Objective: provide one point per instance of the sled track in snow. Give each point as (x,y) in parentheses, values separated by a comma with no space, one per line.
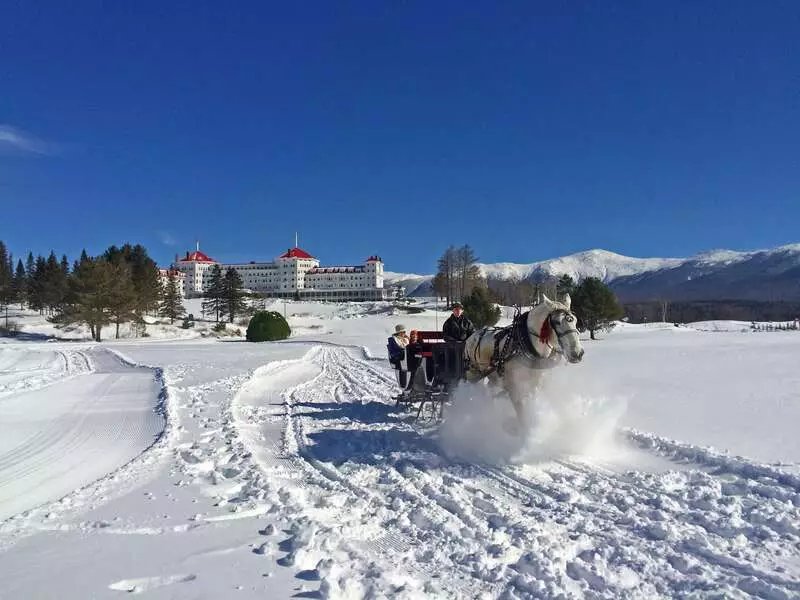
(64,365)
(565,527)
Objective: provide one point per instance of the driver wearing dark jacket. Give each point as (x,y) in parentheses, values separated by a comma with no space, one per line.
(457,327)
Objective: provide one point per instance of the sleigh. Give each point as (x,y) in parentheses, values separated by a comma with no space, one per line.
(428,373)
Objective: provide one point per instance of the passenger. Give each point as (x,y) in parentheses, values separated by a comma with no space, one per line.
(457,327)
(397,352)
(397,345)
(413,350)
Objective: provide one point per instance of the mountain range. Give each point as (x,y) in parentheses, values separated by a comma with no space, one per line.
(769,275)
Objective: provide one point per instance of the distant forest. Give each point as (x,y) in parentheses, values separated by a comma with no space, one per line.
(709,310)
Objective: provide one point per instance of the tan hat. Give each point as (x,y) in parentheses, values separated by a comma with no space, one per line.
(399,328)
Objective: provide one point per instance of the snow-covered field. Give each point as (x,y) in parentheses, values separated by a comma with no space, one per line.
(665,465)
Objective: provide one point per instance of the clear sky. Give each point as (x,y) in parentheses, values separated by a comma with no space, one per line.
(526,129)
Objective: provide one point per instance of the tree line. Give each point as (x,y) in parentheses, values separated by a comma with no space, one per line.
(710,310)
(459,278)
(119,286)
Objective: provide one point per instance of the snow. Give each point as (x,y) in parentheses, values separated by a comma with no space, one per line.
(54,443)
(606,266)
(664,465)
(602,264)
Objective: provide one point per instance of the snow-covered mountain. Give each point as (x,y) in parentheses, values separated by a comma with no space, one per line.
(772,274)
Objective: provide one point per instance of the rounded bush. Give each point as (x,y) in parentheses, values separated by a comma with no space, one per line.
(267,326)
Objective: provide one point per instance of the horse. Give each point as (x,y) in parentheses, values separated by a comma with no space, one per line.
(514,358)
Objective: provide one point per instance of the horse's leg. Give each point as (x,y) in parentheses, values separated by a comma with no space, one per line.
(518,402)
(518,385)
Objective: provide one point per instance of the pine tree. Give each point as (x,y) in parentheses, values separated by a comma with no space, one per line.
(233,302)
(36,278)
(214,293)
(595,305)
(6,280)
(564,286)
(55,284)
(445,280)
(172,302)
(146,280)
(21,284)
(122,305)
(480,309)
(146,287)
(95,290)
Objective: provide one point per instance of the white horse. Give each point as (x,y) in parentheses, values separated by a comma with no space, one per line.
(516,356)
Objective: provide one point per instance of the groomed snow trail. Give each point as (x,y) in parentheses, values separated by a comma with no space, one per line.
(82,415)
(25,369)
(379,509)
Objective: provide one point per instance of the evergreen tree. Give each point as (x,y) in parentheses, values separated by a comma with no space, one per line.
(30,271)
(172,302)
(95,286)
(6,280)
(21,284)
(233,302)
(214,293)
(30,266)
(146,287)
(480,309)
(36,278)
(595,305)
(146,280)
(64,265)
(55,285)
(564,286)
(122,304)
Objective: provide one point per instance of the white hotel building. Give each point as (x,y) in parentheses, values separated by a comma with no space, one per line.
(295,273)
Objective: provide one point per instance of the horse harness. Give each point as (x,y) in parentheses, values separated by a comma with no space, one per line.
(518,343)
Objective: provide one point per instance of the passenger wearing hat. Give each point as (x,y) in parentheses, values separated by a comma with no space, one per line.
(457,327)
(397,344)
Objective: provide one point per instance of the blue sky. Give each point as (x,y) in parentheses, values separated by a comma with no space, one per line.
(526,129)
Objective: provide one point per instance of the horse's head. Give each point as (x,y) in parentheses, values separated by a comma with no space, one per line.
(560,323)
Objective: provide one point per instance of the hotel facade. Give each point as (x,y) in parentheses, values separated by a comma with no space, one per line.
(293,274)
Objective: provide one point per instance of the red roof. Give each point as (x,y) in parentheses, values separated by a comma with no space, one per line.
(197,256)
(295,253)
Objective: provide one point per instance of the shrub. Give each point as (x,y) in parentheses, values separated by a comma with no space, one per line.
(219,327)
(267,326)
